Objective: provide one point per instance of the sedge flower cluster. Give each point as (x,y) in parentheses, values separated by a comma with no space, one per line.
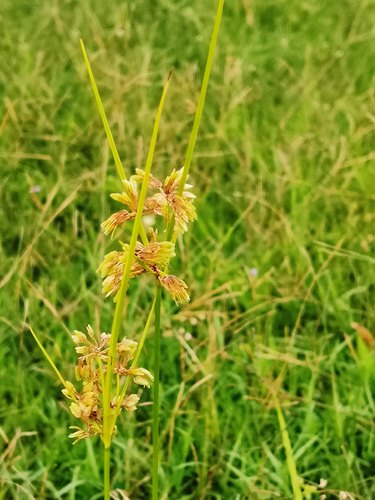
(86,403)
(153,257)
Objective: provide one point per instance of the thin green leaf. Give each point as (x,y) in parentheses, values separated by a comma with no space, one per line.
(112,145)
(48,358)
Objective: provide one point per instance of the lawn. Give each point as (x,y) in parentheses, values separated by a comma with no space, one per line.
(275,344)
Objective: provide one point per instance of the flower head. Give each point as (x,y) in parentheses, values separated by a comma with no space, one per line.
(155,253)
(90,345)
(85,406)
(110,225)
(129,196)
(126,350)
(153,182)
(184,211)
(181,205)
(130,402)
(167,199)
(86,403)
(112,270)
(140,376)
(81,433)
(176,287)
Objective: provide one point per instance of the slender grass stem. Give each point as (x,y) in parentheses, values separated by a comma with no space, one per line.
(48,358)
(143,235)
(292,468)
(99,103)
(112,144)
(106,475)
(199,111)
(134,363)
(202,97)
(156,404)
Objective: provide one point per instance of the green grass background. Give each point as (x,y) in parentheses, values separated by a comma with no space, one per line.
(284,174)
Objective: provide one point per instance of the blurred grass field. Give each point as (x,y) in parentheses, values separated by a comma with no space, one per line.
(280,261)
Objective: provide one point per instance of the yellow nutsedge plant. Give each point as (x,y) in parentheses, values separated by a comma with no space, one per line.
(107,365)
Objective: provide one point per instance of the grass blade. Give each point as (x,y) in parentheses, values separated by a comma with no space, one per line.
(48,358)
(112,145)
(292,468)
(202,96)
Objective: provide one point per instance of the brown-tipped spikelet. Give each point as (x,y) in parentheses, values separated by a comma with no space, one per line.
(153,182)
(130,402)
(182,206)
(129,196)
(176,287)
(112,269)
(141,376)
(165,202)
(155,253)
(152,257)
(110,225)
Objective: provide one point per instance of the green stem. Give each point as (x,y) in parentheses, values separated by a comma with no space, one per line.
(134,364)
(202,96)
(155,408)
(199,111)
(112,145)
(291,463)
(143,235)
(48,358)
(107,484)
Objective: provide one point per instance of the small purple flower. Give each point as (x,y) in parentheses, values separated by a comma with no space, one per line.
(254,272)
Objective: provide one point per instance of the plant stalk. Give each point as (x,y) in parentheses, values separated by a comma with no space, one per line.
(111,141)
(134,363)
(198,114)
(155,408)
(48,358)
(99,103)
(291,463)
(107,485)
(202,96)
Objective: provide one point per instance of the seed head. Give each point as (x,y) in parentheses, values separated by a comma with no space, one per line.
(69,391)
(112,269)
(81,433)
(155,253)
(86,372)
(153,182)
(111,262)
(176,287)
(129,196)
(110,225)
(130,402)
(154,205)
(126,349)
(85,406)
(90,345)
(172,181)
(184,211)
(181,206)
(140,376)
